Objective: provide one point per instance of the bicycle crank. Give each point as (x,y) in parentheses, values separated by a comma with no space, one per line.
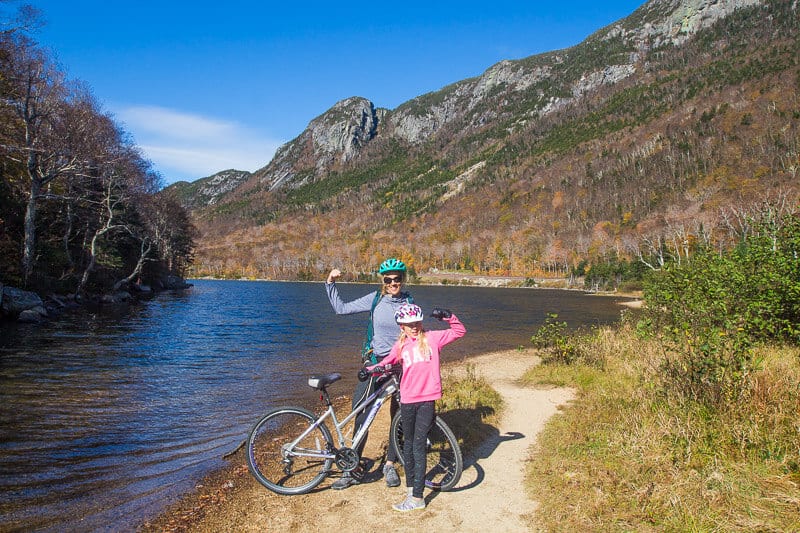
(346,459)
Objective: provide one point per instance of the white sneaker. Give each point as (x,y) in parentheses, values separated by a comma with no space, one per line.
(409,504)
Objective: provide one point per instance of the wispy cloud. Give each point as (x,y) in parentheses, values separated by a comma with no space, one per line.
(183,146)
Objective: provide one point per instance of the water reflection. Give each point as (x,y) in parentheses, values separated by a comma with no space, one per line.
(103,411)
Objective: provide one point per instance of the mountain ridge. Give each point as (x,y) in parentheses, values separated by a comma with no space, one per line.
(505,130)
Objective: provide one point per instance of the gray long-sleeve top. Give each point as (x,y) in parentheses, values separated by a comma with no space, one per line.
(385,329)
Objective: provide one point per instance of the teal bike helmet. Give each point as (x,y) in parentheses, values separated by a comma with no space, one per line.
(392,265)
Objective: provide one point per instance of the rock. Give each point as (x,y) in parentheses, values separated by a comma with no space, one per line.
(172,283)
(335,137)
(15,301)
(58,301)
(29,316)
(143,289)
(122,296)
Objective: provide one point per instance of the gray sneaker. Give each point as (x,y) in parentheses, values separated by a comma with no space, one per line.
(345,481)
(409,504)
(390,474)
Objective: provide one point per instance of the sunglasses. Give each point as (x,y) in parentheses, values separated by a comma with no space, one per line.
(387,280)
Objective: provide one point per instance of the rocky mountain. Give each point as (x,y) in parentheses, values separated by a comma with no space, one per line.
(208,191)
(642,133)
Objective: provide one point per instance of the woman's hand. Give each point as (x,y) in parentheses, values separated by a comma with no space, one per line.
(334,275)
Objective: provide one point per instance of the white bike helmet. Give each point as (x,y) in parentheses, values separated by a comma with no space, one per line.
(408,314)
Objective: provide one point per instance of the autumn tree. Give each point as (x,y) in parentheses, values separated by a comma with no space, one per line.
(36,94)
(82,198)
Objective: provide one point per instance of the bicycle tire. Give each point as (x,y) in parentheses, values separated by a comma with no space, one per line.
(277,469)
(444,460)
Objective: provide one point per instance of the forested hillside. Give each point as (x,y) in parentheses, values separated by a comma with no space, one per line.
(654,135)
(81,210)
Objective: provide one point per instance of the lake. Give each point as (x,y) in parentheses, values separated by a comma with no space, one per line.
(110,416)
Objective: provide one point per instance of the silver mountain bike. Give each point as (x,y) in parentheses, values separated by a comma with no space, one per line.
(291,450)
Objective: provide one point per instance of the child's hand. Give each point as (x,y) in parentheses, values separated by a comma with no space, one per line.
(441,314)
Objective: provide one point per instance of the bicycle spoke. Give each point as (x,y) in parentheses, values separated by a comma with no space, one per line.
(443,455)
(281,466)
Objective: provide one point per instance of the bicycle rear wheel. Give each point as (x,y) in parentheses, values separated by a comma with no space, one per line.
(445,463)
(284,467)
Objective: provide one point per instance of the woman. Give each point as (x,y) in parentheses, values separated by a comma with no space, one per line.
(381,336)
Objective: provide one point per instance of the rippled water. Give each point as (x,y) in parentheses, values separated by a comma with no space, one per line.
(109,416)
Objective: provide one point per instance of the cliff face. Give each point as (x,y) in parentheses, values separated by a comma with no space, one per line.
(332,139)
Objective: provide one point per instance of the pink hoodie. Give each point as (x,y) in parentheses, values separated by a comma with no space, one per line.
(422,380)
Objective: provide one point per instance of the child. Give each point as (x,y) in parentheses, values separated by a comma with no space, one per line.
(421,386)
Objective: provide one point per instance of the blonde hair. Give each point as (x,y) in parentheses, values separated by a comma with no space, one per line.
(422,341)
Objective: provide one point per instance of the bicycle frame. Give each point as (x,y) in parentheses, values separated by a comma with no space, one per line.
(297,466)
(375,401)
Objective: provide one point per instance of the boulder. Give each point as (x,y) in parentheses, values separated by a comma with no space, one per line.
(29,316)
(142,288)
(58,301)
(122,296)
(116,298)
(15,301)
(172,283)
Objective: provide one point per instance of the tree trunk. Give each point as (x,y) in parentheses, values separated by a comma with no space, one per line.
(92,261)
(29,247)
(144,252)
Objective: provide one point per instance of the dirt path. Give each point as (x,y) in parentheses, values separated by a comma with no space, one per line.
(490,495)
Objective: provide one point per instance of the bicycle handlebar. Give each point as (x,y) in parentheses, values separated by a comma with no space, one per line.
(380,370)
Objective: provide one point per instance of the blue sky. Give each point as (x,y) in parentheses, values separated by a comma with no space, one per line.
(205,86)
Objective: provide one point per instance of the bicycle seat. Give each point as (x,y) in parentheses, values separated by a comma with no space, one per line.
(318,382)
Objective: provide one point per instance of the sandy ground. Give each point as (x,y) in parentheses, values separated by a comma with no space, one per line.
(490,496)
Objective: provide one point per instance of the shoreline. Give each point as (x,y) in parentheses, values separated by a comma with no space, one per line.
(230,499)
(233,480)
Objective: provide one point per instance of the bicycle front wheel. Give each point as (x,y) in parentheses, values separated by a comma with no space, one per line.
(444,461)
(282,461)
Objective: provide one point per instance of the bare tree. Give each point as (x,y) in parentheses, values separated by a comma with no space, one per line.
(123,182)
(170,229)
(36,93)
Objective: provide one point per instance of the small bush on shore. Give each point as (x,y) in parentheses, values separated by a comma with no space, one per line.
(557,345)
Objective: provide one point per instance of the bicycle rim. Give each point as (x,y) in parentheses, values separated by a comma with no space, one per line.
(443,456)
(281,468)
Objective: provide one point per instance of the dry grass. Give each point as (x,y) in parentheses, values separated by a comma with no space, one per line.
(470,406)
(627,457)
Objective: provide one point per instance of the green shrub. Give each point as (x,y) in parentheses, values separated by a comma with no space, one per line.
(556,344)
(710,311)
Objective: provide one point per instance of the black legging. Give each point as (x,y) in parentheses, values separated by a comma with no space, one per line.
(417,421)
(363,390)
